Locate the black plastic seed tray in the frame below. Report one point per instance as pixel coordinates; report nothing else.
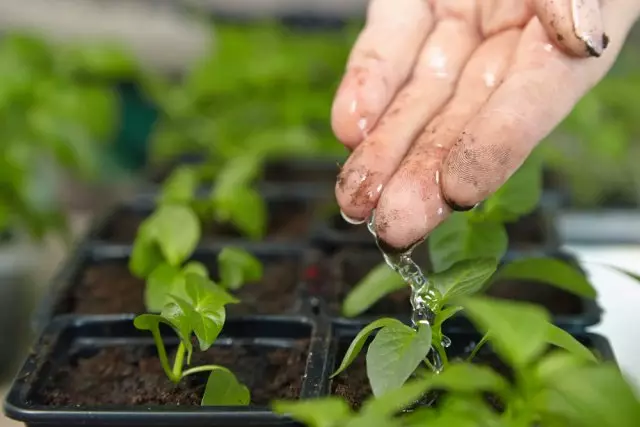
(331, 276)
(97, 282)
(290, 212)
(57, 375)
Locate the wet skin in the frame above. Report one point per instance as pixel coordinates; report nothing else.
(442, 101)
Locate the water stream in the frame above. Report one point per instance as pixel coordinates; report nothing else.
(424, 298)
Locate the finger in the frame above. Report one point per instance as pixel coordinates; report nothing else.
(432, 84)
(411, 204)
(574, 25)
(379, 64)
(540, 90)
(500, 15)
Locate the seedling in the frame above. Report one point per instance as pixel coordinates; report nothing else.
(561, 387)
(197, 309)
(399, 350)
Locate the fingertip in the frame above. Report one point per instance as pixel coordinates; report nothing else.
(356, 192)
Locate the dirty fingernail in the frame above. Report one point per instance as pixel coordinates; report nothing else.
(350, 220)
(456, 207)
(588, 26)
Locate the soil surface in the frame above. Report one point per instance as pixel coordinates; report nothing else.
(123, 375)
(287, 220)
(109, 288)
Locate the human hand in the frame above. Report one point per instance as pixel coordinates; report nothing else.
(442, 101)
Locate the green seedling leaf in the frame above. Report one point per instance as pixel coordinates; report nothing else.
(519, 195)
(178, 313)
(208, 315)
(395, 400)
(565, 340)
(195, 267)
(550, 271)
(238, 172)
(596, 395)
(519, 331)
(379, 282)
(463, 278)
(445, 315)
(556, 362)
(245, 209)
(469, 378)
(145, 256)
(160, 283)
(394, 355)
(360, 339)
(321, 412)
(180, 187)
(459, 238)
(223, 389)
(176, 230)
(238, 267)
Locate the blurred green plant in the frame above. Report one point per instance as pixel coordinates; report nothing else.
(595, 148)
(57, 110)
(264, 89)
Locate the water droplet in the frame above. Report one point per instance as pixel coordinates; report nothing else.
(446, 341)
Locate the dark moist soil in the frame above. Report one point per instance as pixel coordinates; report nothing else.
(286, 220)
(133, 376)
(353, 384)
(109, 288)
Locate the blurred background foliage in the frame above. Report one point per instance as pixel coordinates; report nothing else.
(91, 110)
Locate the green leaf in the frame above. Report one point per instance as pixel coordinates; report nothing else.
(463, 278)
(596, 395)
(162, 280)
(245, 209)
(459, 238)
(319, 412)
(395, 353)
(379, 282)
(178, 313)
(238, 267)
(195, 267)
(469, 378)
(207, 301)
(519, 331)
(445, 315)
(555, 362)
(145, 256)
(151, 322)
(519, 195)
(176, 230)
(395, 400)
(565, 340)
(550, 271)
(238, 172)
(360, 339)
(180, 187)
(223, 389)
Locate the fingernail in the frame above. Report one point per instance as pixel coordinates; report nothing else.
(456, 207)
(350, 220)
(392, 250)
(588, 26)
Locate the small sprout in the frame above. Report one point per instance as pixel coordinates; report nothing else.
(198, 310)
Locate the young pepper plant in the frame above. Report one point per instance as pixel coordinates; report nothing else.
(169, 236)
(556, 382)
(398, 350)
(197, 309)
